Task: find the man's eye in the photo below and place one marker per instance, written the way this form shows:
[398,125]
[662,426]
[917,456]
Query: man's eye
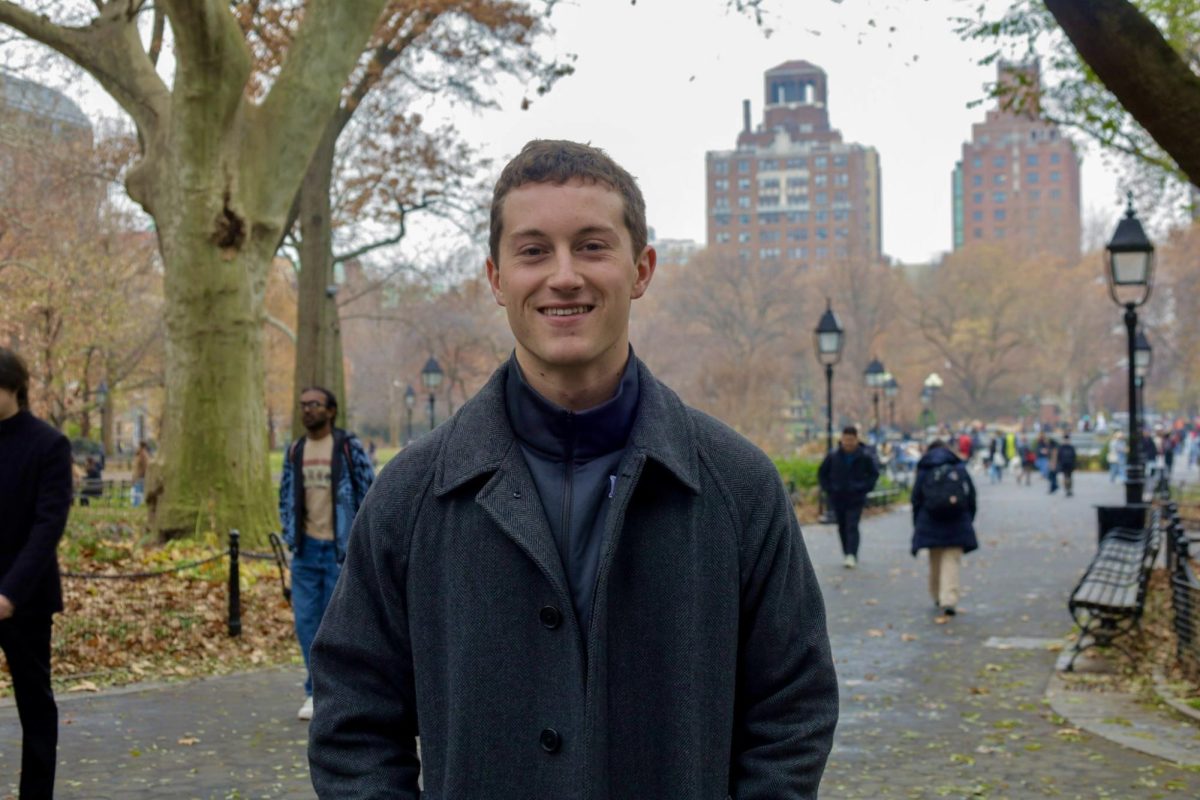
[531,250]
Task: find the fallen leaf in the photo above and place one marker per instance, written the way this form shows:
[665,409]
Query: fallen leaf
[189,740]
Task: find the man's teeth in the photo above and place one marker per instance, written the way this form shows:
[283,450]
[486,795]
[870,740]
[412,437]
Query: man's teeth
[566,312]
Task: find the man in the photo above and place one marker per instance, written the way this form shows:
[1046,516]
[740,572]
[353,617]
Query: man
[580,587]
[1067,460]
[325,477]
[846,476]
[35,495]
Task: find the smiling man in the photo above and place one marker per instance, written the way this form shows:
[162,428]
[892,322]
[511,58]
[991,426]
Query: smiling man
[577,587]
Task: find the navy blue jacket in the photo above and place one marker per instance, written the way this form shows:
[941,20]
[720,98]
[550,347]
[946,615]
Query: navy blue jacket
[35,498]
[929,532]
[848,478]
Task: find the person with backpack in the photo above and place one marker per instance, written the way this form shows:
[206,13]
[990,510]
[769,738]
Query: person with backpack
[325,478]
[847,476]
[943,508]
[1066,463]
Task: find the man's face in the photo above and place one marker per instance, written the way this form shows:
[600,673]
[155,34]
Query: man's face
[314,413]
[849,441]
[566,277]
[8,403]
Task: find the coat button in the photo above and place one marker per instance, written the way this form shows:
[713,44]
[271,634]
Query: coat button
[550,616]
[551,741]
[516,494]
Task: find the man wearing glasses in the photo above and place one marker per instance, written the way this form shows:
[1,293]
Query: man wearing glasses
[325,477]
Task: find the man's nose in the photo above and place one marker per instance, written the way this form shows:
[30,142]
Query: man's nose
[566,276]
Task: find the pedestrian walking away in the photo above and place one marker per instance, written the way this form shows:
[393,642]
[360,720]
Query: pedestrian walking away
[35,493]
[141,462]
[1067,460]
[997,460]
[943,513]
[577,585]
[1116,457]
[325,477]
[847,476]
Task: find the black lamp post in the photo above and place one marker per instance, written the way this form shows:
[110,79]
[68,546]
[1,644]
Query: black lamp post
[1130,272]
[932,385]
[410,400]
[431,376]
[875,376]
[829,338]
[891,389]
[1143,356]
[102,402]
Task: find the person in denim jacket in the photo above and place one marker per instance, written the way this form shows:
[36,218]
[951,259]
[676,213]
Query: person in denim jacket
[325,477]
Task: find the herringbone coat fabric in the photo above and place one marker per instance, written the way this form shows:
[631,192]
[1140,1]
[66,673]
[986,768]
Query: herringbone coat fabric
[706,671]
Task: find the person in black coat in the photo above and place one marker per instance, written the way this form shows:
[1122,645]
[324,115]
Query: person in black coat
[35,493]
[847,475]
[1067,460]
[945,532]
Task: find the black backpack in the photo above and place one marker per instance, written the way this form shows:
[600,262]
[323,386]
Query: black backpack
[947,491]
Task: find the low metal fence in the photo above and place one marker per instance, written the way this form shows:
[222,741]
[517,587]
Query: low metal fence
[233,552]
[107,493]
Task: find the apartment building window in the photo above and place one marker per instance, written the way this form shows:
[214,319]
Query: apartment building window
[797,235]
[1055,176]
[1031,177]
[768,163]
[770,218]
[820,179]
[977,197]
[822,216]
[744,184]
[724,219]
[769,254]
[743,202]
[999,178]
[839,161]
[797,199]
[797,253]
[976,216]
[999,233]
[797,163]
[999,214]
[769,183]
[821,199]
[721,167]
[820,162]
[743,165]
[723,237]
[999,197]
[998,162]
[743,237]
[768,236]
[1031,160]
[977,180]
[721,202]
[1055,158]
[841,197]
[822,233]
[721,184]
[977,162]
[797,182]
[743,219]
[841,215]
[842,233]
[768,199]
[1056,194]
[797,217]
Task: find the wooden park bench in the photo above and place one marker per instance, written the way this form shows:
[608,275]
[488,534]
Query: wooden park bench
[1107,602]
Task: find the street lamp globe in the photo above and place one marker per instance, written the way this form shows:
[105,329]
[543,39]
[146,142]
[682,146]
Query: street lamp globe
[874,375]
[933,382]
[431,374]
[829,337]
[891,388]
[410,397]
[1143,355]
[1130,260]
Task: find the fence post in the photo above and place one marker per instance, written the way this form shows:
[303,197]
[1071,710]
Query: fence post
[235,590]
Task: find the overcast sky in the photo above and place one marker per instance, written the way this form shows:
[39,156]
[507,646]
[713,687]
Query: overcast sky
[659,83]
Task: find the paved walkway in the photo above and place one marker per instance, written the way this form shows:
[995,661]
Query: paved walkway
[929,710]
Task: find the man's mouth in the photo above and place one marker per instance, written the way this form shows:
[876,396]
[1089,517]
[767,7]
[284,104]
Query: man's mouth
[568,311]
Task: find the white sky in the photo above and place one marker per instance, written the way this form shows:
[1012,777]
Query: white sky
[659,83]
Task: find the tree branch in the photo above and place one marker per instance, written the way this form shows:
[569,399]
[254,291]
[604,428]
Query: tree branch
[282,326]
[1132,59]
[110,50]
[292,118]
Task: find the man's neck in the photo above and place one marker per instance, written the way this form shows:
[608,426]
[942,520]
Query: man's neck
[320,434]
[574,391]
[8,413]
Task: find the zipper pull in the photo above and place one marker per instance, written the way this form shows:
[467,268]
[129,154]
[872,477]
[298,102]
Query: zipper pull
[612,485]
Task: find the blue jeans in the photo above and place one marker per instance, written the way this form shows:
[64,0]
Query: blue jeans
[315,571]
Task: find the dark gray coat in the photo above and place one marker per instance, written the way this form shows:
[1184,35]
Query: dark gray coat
[706,671]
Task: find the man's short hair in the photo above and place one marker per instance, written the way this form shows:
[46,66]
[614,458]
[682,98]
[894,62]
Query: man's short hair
[14,376]
[851,430]
[330,399]
[558,161]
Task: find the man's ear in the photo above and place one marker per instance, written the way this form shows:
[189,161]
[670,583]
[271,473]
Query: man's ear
[493,276]
[645,271]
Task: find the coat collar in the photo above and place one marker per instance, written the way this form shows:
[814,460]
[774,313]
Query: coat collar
[480,435]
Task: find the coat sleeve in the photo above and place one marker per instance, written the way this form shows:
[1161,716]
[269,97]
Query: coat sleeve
[917,495]
[287,522]
[823,474]
[52,506]
[362,740]
[787,698]
[872,473]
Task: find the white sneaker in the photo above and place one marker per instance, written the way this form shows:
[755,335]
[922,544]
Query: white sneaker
[850,562]
[305,711]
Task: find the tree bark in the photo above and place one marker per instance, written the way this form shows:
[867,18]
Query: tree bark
[318,329]
[1132,59]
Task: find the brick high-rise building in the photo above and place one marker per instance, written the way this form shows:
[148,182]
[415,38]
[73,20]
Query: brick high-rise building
[792,191]
[1018,181]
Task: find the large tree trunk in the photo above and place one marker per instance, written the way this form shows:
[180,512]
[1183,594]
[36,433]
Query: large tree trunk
[318,329]
[213,451]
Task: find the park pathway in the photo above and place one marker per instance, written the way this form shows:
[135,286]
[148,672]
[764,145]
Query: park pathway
[929,710]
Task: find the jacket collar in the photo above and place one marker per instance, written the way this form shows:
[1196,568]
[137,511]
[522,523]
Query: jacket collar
[480,435]
[17,422]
